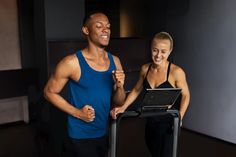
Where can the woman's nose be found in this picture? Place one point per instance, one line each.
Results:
(158, 54)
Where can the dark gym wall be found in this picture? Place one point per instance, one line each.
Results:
(40, 47)
(142, 18)
(205, 47)
(26, 33)
(64, 19)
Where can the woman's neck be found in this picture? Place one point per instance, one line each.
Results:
(159, 67)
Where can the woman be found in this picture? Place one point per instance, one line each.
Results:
(160, 73)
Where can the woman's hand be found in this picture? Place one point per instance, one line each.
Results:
(115, 111)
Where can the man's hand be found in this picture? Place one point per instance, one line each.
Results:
(119, 78)
(87, 113)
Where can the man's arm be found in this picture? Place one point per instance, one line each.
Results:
(65, 70)
(119, 78)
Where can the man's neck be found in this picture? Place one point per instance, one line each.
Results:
(94, 52)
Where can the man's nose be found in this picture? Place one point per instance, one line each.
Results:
(105, 29)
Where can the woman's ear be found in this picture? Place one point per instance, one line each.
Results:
(85, 30)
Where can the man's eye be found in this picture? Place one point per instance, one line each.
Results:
(98, 26)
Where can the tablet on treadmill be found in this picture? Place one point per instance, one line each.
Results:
(160, 98)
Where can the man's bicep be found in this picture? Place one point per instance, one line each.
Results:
(59, 78)
(56, 84)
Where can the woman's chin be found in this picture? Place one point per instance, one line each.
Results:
(158, 62)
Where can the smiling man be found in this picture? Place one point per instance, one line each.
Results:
(95, 81)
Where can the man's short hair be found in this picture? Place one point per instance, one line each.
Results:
(89, 14)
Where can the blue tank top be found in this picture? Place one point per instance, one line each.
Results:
(93, 88)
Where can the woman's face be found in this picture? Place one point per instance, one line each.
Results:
(160, 50)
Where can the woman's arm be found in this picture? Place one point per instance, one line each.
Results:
(182, 83)
(132, 95)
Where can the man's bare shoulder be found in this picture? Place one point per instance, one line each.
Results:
(70, 60)
(68, 67)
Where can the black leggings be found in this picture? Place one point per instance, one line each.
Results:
(159, 137)
(94, 147)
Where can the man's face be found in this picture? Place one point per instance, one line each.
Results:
(160, 50)
(99, 30)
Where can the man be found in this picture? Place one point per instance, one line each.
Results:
(95, 78)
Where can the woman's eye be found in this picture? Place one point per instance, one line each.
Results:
(155, 50)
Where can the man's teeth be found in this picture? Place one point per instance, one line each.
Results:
(104, 36)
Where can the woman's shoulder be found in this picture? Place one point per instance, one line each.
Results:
(176, 70)
(144, 68)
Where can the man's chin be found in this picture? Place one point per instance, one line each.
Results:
(104, 45)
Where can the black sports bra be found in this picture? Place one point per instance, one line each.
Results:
(165, 84)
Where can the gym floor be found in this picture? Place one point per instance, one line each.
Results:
(20, 139)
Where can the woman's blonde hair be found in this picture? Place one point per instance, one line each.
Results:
(164, 36)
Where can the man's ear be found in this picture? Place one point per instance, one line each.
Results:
(85, 30)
